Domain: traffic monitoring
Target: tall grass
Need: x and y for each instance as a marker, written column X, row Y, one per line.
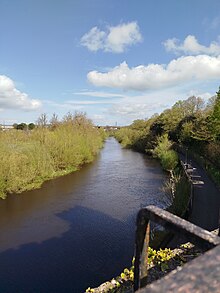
column 28, row 158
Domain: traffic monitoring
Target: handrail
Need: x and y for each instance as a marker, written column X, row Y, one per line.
column 195, row 234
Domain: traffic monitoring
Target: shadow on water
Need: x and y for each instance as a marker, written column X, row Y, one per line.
column 77, row 230
column 97, row 252
column 31, row 215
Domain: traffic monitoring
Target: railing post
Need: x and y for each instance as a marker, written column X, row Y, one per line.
column 195, row 234
column 219, row 222
column 141, row 251
column 144, row 258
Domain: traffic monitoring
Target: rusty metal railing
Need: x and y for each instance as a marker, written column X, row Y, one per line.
column 195, row 234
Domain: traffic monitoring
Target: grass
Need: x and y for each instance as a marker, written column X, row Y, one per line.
column 28, row 158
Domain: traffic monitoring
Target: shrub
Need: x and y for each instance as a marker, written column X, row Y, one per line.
column 165, row 154
column 30, row 158
column 169, row 160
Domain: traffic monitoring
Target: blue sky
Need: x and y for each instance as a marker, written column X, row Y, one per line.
column 117, row 60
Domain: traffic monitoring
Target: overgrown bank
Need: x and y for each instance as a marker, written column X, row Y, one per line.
column 193, row 124
column 28, row 158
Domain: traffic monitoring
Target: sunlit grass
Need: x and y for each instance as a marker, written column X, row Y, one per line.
column 28, row 158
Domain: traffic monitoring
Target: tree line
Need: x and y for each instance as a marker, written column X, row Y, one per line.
column 193, row 124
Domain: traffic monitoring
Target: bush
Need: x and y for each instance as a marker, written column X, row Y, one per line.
column 169, row 160
column 30, row 158
column 125, row 136
column 163, row 152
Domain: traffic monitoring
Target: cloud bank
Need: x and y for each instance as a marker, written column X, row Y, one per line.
column 157, row 76
column 12, row 98
column 131, row 110
column 191, row 46
column 115, row 39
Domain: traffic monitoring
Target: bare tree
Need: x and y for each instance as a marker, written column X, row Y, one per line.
column 54, row 121
column 42, row 120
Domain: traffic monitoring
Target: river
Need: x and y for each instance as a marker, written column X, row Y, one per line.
column 77, row 231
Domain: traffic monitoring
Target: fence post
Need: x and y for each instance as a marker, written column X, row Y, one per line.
column 141, row 251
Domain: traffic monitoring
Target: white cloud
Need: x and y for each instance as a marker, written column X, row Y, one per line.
column 98, row 94
column 198, row 93
column 115, row 39
column 94, row 40
column 132, row 110
column 88, row 102
column 191, row 46
column 155, row 76
column 141, row 106
column 12, row 98
column 145, row 105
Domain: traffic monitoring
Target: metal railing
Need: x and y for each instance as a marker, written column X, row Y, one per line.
column 198, row 236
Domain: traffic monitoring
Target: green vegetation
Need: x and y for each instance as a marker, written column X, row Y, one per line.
column 160, row 263
column 165, row 154
column 29, row 157
column 160, row 257
column 177, row 189
column 195, row 126
column 24, row 126
column 193, row 123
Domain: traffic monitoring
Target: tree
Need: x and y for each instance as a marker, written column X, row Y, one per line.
column 185, row 133
column 54, row 122
column 42, row 120
column 215, row 117
column 81, row 119
column 139, row 124
column 201, row 130
column 193, row 105
column 31, row 126
column 22, row 126
column 68, row 118
column 210, row 104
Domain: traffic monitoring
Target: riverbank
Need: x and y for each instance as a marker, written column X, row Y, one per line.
column 77, row 230
column 204, row 212
column 183, row 194
column 29, row 158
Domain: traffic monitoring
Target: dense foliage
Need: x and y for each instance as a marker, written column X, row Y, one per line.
column 192, row 123
column 29, row 157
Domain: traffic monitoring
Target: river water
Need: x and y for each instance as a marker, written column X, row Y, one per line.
column 77, row 231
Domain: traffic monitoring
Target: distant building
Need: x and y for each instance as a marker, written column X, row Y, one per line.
column 5, row 127
column 108, row 127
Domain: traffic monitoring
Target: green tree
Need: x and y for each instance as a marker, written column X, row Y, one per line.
column 31, row 126
column 201, row 129
column 22, row 126
column 215, row 117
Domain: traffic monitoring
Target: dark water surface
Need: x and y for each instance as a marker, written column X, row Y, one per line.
column 78, row 230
